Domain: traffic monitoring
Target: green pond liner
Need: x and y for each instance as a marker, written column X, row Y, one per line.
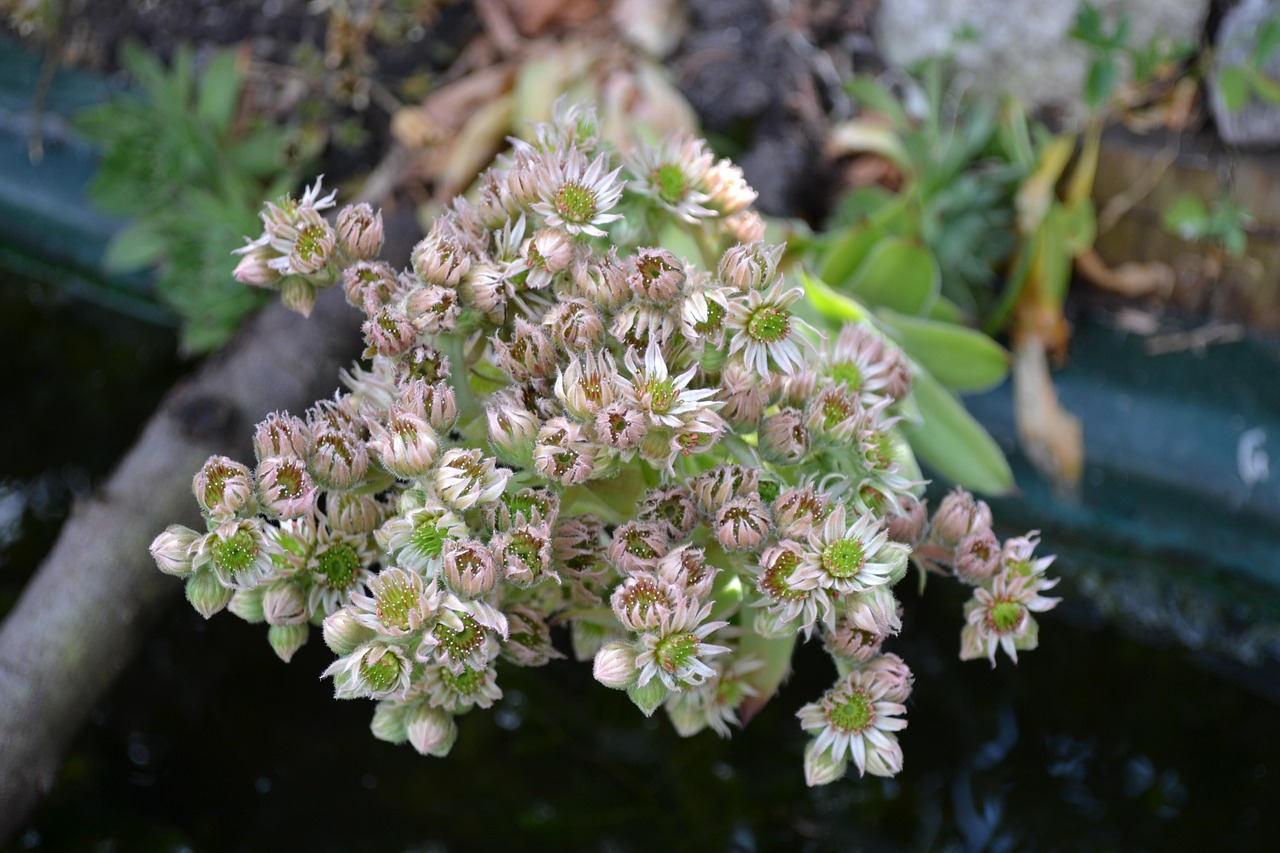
column 49, row 231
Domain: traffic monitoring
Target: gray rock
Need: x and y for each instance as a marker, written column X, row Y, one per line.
column 1022, row 46
column 1257, row 124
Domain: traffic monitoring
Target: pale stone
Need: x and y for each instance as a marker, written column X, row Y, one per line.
column 1022, row 47
column 1257, row 123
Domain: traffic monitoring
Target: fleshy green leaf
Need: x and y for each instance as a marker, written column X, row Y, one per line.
column 219, row 91
column 960, row 358
column 776, row 655
column 834, row 306
column 847, row 254
column 897, row 274
column 136, row 246
column 1233, row 85
column 954, row 444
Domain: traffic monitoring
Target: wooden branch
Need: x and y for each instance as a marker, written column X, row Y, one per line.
column 80, row 619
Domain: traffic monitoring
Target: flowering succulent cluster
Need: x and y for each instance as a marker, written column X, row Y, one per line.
column 561, row 423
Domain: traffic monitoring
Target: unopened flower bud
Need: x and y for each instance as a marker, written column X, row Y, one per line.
column 620, row 426
column 750, row 266
column 615, row 666
column 441, row 406
column 284, row 603
column 575, row 324
column 466, row 477
column 529, row 353
column 407, row 446
column 469, row 569
column 673, row 505
column 893, row 672
column 746, row 226
column 957, row 516
column 247, row 604
column 388, row 723
column 512, row 428
column 820, row 768
column 744, row 396
column 548, row 252
column 603, row 282
column 433, row 309
column 369, row 284
column 253, row 268
column 562, row 452
column 649, row 696
column 172, row 550
column 799, row 510
column 287, row 639
column 338, row 460
column 223, row 488
column 784, row 437
column 898, row 380
column 655, row 276
column 360, row 231
column 977, row 556
column 343, row 634
column 206, row 594
column 285, row 487
column 907, row 523
column 439, row 258
column 354, row 514
column 637, row 545
column 523, row 554
column 529, row 638
column 389, row 333
column 280, row 434
column 742, row 524
column 427, row 362
column 430, row 730
column 298, row 295
column 728, row 189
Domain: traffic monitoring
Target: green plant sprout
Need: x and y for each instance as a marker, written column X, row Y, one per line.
column 191, row 172
column 1237, row 83
column 1109, row 51
column 1222, row 223
column 561, row 421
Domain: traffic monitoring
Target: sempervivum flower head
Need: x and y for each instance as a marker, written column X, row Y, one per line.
column 666, row 399
column 376, row 669
column 852, row 557
column 763, row 333
column 855, row 719
column 457, row 691
column 416, row 538
column 466, row 477
column 799, row 609
column 397, row 604
column 238, row 551
column 998, row 616
column 339, row 564
column 673, row 173
column 643, row 600
column 575, row 195
column 676, row 652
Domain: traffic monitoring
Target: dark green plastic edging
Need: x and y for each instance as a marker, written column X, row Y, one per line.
column 1179, row 511
column 48, row 229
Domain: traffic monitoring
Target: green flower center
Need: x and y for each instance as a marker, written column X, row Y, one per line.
column 576, row 203
column 458, row 644
column 835, row 409
column 715, row 319
column 662, row 394
column 236, row 553
column 641, row 597
column 311, row 242
column 775, row 581
column 381, row 674
column 769, row 325
column 289, row 480
column 638, row 547
column 844, row 559
column 338, row 565
column 427, row 537
column 1005, row 616
column 670, row 182
column 847, row 373
column 854, row 714
column 393, row 603
column 463, row 683
column 676, row 652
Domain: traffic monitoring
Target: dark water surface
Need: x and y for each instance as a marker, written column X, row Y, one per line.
column 209, row 743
